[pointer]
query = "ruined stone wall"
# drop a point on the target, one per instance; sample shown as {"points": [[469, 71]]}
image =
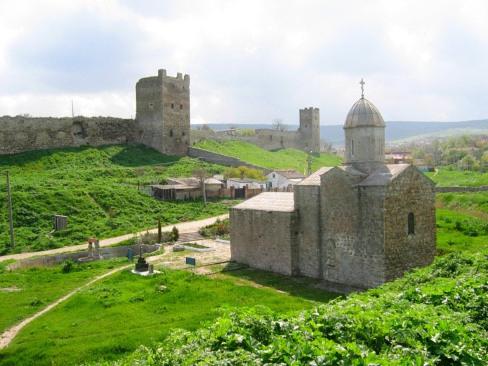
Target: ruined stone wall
{"points": [[307, 203], [18, 134], [263, 239], [215, 158], [306, 137], [413, 193]]}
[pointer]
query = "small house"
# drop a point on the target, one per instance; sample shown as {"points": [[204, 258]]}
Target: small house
{"points": [[283, 178]]}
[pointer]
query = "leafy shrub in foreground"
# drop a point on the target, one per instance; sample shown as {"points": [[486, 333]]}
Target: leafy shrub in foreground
{"points": [[433, 316]]}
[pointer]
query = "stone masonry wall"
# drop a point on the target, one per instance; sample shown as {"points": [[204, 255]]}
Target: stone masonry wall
{"points": [[410, 192], [307, 203], [263, 239], [212, 157], [345, 257], [18, 134]]}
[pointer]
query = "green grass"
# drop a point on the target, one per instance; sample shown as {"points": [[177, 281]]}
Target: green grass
{"points": [[97, 189], [449, 177], [280, 159], [460, 232], [117, 315], [40, 286], [433, 316]]}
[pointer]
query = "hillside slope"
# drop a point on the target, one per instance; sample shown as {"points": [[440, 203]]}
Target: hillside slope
{"points": [[96, 188], [281, 159]]}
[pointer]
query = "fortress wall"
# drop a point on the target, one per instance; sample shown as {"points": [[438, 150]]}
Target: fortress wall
{"points": [[266, 138], [461, 189], [215, 158], [18, 134]]}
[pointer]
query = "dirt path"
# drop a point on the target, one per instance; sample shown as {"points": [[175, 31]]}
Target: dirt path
{"points": [[220, 252], [184, 227], [7, 336]]}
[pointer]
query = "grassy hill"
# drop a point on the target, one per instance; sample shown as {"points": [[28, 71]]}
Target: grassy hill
{"points": [[281, 159], [96, 188]]}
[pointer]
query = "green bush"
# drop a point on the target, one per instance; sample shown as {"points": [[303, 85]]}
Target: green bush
{"points": [[433, 316]]}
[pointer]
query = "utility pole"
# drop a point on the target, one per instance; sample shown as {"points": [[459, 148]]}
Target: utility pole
{"points": [[10, 213]]}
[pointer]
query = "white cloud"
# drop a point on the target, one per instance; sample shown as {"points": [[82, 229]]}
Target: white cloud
{"points": [[250, 61]]}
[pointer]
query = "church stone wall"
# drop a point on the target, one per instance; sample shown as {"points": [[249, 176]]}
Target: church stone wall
{"points": [[307, 201], [263, 239], [19, 134], [413, 193], [345, 257]]}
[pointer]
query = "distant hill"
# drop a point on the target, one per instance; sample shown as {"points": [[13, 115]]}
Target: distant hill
{"points": [[395, 130]]}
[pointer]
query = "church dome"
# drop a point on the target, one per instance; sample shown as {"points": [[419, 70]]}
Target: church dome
{"points": [[364, 114]]}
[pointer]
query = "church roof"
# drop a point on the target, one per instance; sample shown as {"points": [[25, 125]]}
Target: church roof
{"points": [[269, 201], [384, 175], [314, 178], [363, 113], [289, 174]]}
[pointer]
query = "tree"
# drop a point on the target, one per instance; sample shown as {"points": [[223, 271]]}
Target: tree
{"points": [[201, 174], [278, 124], [484, 161]]}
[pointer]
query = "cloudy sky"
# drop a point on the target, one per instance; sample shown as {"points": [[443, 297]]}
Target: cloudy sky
{"points": [[249, 61]]}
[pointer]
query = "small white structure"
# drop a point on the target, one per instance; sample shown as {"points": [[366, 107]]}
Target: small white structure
{"points": [[249, 183], [283, 178]]}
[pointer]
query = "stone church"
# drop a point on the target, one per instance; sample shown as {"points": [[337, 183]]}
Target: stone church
{"points": [[357, 225]]}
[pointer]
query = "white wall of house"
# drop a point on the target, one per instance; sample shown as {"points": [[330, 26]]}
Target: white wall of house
{"points": [[276, 180], [242, 184]]}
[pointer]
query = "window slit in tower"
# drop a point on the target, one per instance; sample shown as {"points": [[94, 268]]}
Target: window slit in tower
{"points": [[170, 133], [411, 224], [352, 147]]}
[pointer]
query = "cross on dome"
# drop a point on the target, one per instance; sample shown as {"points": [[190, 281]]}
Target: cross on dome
{"points": [[362, 82]]}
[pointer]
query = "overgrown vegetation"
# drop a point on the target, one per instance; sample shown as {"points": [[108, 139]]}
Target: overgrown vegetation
{"points": [[97, 188], [434, 316], [469, 153], [280, 159], [221, 229], [115, 316], [244, 172]]}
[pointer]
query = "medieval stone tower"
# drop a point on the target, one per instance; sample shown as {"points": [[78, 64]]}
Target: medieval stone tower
{"points": [[163, 112], [309, 131]]}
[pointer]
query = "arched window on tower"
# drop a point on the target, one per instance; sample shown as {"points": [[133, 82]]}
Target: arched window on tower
{"points": [[352, 147], [170, 133], [411, 224]]}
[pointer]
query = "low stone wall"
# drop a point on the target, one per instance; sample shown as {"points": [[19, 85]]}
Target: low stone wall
{"points": [[461, 189], [212, 157], [105, 253], [19, 134]]}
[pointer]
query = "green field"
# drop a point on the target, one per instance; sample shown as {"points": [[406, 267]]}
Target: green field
{"points": [[24, 292], [435, 315], [450, 177], [432, 316], [97, 189], [281, 159], [118, 314]]}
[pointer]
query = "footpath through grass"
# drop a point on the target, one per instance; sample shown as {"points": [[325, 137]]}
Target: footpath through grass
{"points": [[116, 315], [280, 159], [97, 189], [24, 292], [433, 316]]}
